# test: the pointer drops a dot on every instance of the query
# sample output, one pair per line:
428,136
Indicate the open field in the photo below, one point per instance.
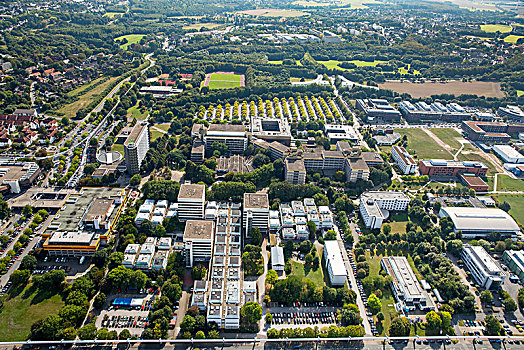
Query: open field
354,4
333,64
417,90
118,147
21,311
513,38
135,112
404,71
480,158
314,275
387,300
452,137
164,126
517,206
155,134
493,28
198,26
422,146
274,13
398,222
131,39
224,80
520,93
82,88
70,109
506,183
112,14
281,62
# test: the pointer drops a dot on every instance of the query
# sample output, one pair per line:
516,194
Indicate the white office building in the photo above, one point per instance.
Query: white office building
508,154
256,212
277,259
135,147
483,268
334,263
404,160
376,205
198,241
191,200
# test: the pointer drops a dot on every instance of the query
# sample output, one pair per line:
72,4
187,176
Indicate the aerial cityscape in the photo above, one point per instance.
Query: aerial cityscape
270,174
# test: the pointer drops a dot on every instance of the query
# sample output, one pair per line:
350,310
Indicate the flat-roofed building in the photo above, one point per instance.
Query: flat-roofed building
378,110
474,182
356,169
405,286
339,132
508,154
191,200
513,113
334,263
198,241
234,164
136,147
278,150
233,136
17,175
479,222
404,160
256,212
486,132
419,112
484,269
85,221
295,171
387,139
515,261
375,206
372,158
197,152
442,168
270,129
277,259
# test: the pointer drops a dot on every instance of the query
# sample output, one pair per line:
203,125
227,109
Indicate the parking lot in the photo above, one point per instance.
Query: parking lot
70,265
304,318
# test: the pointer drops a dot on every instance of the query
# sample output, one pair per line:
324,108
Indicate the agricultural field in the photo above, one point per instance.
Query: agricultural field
274,13
422,146
71,109
520,93
279,63
79,90
112,14
334,64
493,28
417,90
517,206
294,110
224,80
20,311
131,39
513,38
198,26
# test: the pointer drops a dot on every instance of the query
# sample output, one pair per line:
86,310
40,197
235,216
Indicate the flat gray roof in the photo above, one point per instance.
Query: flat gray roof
199,229
480,219
256,201
190,191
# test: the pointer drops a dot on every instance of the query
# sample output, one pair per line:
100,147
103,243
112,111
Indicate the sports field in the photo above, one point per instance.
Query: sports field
224,80
417,90
131,39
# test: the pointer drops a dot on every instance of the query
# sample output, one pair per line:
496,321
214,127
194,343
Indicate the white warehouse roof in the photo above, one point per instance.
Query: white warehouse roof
480,219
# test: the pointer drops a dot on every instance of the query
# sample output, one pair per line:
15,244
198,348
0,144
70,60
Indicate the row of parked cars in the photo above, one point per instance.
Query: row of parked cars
5,288
125,321
40,270
304,318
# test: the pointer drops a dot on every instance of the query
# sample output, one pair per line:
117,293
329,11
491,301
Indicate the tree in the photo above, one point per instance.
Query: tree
271,276
374,303
172,290
330,235
509,304
124,334
213,334
99,301
135,180
434,321
28,263
88,332
350,317
188,324
198,272
47,329
400,327
255,236
493,326
27,211
486,297
455,247
269,318
20,277
251,313
200,335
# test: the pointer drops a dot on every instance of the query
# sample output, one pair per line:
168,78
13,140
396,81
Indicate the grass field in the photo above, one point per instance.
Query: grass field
398,223
493,28
198,26
333,64
155,134
274,13
134,112
112,14
506,183
477,157
70,109
131,39
451,137
513,38
314,275
82,88
417,90
118,148
20,312
279,63
404,71
422,146
354,4
517,206
520,93
224,81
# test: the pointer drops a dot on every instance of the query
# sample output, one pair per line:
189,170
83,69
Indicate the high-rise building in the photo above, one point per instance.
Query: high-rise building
198,241
191,200
136,147
295,171
256,212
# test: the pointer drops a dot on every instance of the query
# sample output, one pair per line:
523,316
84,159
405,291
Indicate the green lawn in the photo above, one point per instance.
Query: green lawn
449,136
70,109
404,71
135,112
21,311
279,63
492,28
513,38
164,126
112,14
131,39
224,81
517,206
398,223
155,134
314,275
423,146
333,64
118,148
506,183
480,158
520,93
82,88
